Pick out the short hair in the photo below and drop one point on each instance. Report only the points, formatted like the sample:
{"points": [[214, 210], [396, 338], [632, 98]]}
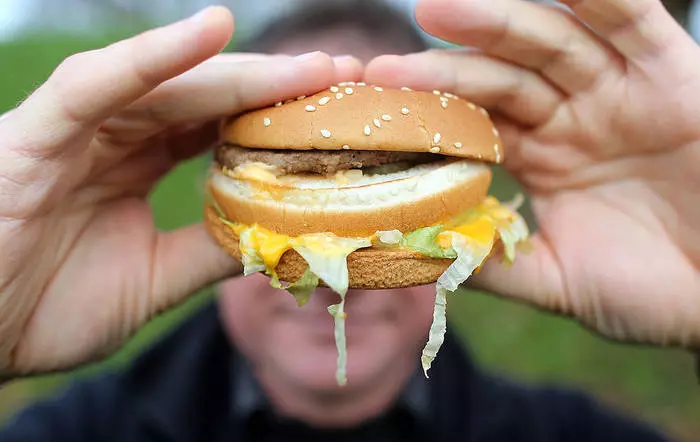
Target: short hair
{"points": [[374, 19], [679, 9]]}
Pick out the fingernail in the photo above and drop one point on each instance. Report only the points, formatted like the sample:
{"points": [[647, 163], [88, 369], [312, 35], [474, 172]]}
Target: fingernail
{"points": [[307, 56]]}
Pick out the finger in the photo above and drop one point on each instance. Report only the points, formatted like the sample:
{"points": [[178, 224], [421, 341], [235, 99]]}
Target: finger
{"points": [[88, 87], [225, 87], [545, 39], [347, 68], [518, 93], [637, 29]]}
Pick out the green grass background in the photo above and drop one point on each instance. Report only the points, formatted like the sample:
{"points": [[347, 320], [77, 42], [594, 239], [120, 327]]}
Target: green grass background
{"points": [[655, 385]]}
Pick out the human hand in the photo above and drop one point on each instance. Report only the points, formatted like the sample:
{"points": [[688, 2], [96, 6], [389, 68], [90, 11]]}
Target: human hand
{"points": [[83, 265], [602, 128]]}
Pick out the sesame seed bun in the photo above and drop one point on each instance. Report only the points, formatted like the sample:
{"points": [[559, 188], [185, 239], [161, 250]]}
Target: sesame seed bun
{"points": [[370, 268], [358, 117]]}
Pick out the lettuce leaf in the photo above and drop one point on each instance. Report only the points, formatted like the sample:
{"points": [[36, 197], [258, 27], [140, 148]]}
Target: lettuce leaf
{"points": [[252, 261], [389, 237], [424, 241], [437, 330], [327, 259], [302, 288], [512, 235], [339, 315], [470, 255]]}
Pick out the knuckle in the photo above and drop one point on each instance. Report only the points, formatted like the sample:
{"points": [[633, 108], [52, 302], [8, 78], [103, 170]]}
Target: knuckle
{"points": [[73, 63]]}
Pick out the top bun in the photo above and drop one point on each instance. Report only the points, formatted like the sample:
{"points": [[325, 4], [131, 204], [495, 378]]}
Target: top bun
{"points": [[358, 117]]}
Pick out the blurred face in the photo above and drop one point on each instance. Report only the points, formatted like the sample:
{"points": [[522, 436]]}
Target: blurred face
{"points": [[343, 41], [292, 348], [385, 331]]}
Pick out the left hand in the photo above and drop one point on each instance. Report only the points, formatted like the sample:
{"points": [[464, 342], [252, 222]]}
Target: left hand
{"points": [[603, 131], [82, 264]]}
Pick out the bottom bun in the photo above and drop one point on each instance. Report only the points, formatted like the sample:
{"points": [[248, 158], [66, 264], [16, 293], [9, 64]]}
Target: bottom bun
{"points": [[368, 268]]}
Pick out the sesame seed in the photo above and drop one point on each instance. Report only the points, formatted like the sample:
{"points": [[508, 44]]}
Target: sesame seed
{"points": [[377, 123], [498, 153], [326, 133], [301, 97], [324, 100], [368, 130], [436, 92], [443, 98], [378, 89], [339, 95], [346, 147], [495, 132], [449, 95], [386, 117], [444, 104], [310, 108], [471, 106], [434, 149], [483, 111], [406, 88], [334, 89], [288, 101], [267, 122], [404, 111], [278, 104], [348, 90], [343, 83], [361, 84], [436, 138], [458, 145]]}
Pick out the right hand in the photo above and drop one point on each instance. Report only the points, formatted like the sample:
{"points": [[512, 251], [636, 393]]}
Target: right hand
{"points": [[83, 265], [599, 110]]}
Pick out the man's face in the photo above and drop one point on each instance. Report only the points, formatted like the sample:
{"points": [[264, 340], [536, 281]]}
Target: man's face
{"points": [[343, 41], [385, 331]]}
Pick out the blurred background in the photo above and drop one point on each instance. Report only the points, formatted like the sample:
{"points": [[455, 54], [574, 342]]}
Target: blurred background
{"points": [[654, 385]]}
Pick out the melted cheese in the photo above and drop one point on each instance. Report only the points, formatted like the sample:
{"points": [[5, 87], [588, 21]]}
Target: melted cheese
{"points": [[259, 172], [478, 224]]}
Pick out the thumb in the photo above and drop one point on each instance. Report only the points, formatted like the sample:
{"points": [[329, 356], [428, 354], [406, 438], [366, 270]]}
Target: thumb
{"points": [[90, 86], [186, 260], [535, 277]]}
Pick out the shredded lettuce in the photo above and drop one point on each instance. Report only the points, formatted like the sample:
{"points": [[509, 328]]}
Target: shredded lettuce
{"points": [[339, 315], [390, 237], [301, 289], [512, 235], [467, 238], [327, 259], [252, 261], [470, 255], [424, 241]]}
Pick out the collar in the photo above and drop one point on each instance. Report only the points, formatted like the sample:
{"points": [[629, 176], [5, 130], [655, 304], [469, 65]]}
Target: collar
{"points": [[248, 398]]}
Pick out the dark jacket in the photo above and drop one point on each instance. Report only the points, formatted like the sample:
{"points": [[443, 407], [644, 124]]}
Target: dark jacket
{"points": [[182, 390]]}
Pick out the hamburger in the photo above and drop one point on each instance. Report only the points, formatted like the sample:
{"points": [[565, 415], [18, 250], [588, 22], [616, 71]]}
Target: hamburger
{"points": [[359, 186]]}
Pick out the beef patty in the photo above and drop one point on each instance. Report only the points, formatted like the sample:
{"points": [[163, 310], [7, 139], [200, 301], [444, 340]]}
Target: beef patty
{"points": [[316, 161]]}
